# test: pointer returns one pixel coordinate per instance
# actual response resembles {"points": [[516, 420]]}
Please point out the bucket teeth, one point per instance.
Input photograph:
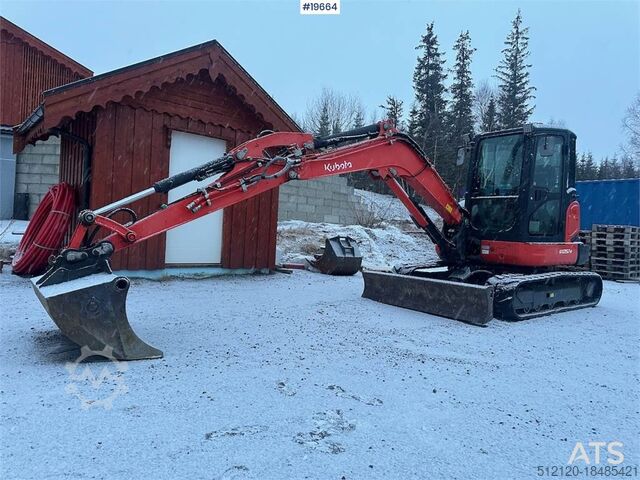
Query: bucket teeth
{"points": [[460, 301], [91, 311]]}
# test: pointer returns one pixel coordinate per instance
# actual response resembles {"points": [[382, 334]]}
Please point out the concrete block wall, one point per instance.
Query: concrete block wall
{"points": [[328, 200], [37, 170]]}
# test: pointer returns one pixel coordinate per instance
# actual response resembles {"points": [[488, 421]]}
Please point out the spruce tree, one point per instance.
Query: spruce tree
{"points": [[580, 166], [615, 169], [515, 92], [459, 117], [324, 122], [488, 122], [358, 118], [426, 116], [604, 169], [628, 167], [590, 168], [393, 109]]}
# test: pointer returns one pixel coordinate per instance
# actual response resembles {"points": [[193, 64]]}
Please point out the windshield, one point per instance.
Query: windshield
{"points": [[499, 166]]}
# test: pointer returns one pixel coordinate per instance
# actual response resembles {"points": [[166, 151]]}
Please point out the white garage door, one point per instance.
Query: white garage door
{"points": [[198, 242]]}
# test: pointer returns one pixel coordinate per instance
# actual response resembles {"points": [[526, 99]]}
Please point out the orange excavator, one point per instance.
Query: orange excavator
{"points": [[507, 252]]}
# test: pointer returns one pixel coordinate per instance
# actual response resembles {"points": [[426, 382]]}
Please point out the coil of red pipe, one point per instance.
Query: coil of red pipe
{"points": [[45, 232]]}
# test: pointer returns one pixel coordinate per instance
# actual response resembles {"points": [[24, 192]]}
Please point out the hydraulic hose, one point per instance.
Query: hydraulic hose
{"points": [[46, 231]]}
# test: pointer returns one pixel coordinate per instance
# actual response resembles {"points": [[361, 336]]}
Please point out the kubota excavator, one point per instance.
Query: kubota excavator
{"points": [[506, 253]]}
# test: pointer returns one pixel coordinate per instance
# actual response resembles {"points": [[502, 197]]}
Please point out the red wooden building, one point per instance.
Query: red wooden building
{"points": [[128, 128], [28, 66]]}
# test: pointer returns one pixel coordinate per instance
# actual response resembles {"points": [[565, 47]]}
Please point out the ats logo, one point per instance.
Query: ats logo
{"points": [[336, 167], [612, 451]]}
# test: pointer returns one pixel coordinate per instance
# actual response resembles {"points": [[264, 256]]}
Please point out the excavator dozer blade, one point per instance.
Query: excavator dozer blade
{"points": [[91, 311], [460, 301]]}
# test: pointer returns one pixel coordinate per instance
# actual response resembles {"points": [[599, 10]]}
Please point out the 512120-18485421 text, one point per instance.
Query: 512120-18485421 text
{"points": [[601, 471]]}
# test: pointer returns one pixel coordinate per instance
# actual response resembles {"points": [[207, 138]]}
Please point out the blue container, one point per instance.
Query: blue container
{"points": [[609, 202]]}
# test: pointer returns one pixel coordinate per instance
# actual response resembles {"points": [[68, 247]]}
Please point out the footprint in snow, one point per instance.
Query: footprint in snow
{"points": [[283, 388], [341, 392], [329, 427], [236, 431], [236, 472]]}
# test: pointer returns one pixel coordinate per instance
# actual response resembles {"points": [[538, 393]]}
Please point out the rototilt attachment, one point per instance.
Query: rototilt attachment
{"points": [[88, 303], [340, 256]]}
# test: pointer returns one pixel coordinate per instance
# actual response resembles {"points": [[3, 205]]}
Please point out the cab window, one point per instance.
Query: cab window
{"points": [[499, 166]]}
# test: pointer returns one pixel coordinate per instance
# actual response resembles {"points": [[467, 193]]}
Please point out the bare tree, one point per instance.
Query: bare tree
{"points": [[332, 112], [374, 116], [481, 99], [631, 128]]}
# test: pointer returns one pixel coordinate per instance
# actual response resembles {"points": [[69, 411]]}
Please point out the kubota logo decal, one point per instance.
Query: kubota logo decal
{"points": [[336, 167]]}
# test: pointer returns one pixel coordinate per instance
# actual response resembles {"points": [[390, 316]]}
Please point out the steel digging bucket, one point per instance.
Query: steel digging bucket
{"points": [[341, 256], [91, 311], [460, 301]]}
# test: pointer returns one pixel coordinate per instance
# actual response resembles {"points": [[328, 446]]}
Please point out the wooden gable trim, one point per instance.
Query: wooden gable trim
{"points": [[25, 37]]}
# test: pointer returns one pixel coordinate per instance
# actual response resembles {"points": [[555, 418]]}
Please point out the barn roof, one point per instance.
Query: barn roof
{"points": [[63, 103], [24, 36]]}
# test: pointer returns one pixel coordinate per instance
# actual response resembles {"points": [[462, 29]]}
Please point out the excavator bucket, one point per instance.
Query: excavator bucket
{"points": [[91, 311], [341, 256], [460, 301]]}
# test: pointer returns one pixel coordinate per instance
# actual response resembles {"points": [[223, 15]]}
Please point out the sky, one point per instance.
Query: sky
{"points": [[585, 55]]}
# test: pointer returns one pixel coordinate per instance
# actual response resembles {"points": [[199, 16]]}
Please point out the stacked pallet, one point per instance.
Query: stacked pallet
{"points": [[615, 251]]}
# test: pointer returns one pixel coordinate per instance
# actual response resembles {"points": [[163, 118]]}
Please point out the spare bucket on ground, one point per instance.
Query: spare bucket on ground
{"points": [[341, 256]]}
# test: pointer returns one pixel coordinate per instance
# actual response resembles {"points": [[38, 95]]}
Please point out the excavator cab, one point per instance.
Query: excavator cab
{"points": [[521, 183]]}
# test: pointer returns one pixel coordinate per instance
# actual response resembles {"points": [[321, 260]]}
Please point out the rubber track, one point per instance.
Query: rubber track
{"points": [[507, 286]]}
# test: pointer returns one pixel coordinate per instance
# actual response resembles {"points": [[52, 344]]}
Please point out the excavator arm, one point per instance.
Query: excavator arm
{"points": [[269, 161]]}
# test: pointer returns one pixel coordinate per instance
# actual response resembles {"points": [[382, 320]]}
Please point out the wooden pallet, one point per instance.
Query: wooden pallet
{"points": [[616, 275], [614, 239], [604, 251], [617, 261], [616, 268], [615, 251], [615, 229]]}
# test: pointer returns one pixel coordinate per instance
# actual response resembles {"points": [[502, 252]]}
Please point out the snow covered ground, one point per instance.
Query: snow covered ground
{"points": [[11, 231], [381, 247], [296, 376], [388, 237]]}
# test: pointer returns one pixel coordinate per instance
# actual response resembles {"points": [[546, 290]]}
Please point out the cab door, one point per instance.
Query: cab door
{"points": [[548, 187]]}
